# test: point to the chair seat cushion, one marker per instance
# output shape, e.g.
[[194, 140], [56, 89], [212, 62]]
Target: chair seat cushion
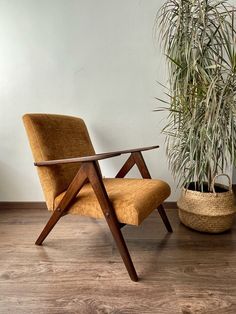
[[132, 199]]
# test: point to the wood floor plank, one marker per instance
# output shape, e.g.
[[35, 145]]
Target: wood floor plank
[[79, 269]]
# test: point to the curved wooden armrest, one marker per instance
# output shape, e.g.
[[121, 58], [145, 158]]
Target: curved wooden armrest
[[92, 158], [134, 150], [77, 159]]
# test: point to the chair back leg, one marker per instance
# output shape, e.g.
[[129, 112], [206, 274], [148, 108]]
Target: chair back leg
[[61, 209], [164, 218], [140, 162]]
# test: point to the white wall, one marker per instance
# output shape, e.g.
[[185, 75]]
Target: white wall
[[93, 59]]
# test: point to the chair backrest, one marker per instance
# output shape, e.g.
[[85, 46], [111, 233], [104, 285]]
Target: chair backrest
[[56, 137]]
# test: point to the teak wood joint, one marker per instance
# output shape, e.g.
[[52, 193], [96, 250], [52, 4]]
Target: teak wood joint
[[134, 158]]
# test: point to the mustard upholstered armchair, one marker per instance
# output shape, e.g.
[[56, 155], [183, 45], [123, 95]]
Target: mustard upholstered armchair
[[72, 182]]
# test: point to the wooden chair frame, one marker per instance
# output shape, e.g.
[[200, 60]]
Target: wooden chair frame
[[90, 171]]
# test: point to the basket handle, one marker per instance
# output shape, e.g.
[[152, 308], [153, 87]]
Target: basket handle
[[214, 179]]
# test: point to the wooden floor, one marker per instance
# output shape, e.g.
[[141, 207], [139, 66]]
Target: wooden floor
[[78, 269]]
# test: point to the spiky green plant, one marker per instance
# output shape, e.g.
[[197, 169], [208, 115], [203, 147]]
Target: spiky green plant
[[199, 41]]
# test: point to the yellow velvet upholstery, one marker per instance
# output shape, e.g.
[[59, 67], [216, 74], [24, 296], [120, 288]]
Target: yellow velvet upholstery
[[132, 199], [57, 137]]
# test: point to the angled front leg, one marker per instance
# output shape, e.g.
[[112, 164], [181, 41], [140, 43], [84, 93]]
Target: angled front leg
[[72, 191], [109, 213]]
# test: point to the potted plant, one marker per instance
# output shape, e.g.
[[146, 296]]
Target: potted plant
[[199, 41]]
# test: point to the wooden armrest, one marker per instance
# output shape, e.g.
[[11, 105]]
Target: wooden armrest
[[92, 158], [77, 159], [133, 150]]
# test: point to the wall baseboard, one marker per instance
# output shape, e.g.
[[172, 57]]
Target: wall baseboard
[[234, 189], [170, 205], [23, 205], [42, 205]]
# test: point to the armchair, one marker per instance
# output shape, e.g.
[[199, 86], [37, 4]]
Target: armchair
[[75, 185]]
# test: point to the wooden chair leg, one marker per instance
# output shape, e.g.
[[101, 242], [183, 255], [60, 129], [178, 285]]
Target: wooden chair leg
[[49, 226], [120, 242], [164, 217], [109, 213], [138, 157], [73, 189]]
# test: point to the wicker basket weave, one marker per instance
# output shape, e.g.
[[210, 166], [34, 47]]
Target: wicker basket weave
[[208, 212]]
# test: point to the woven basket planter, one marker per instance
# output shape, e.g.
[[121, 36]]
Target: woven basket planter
[[208, 212]]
